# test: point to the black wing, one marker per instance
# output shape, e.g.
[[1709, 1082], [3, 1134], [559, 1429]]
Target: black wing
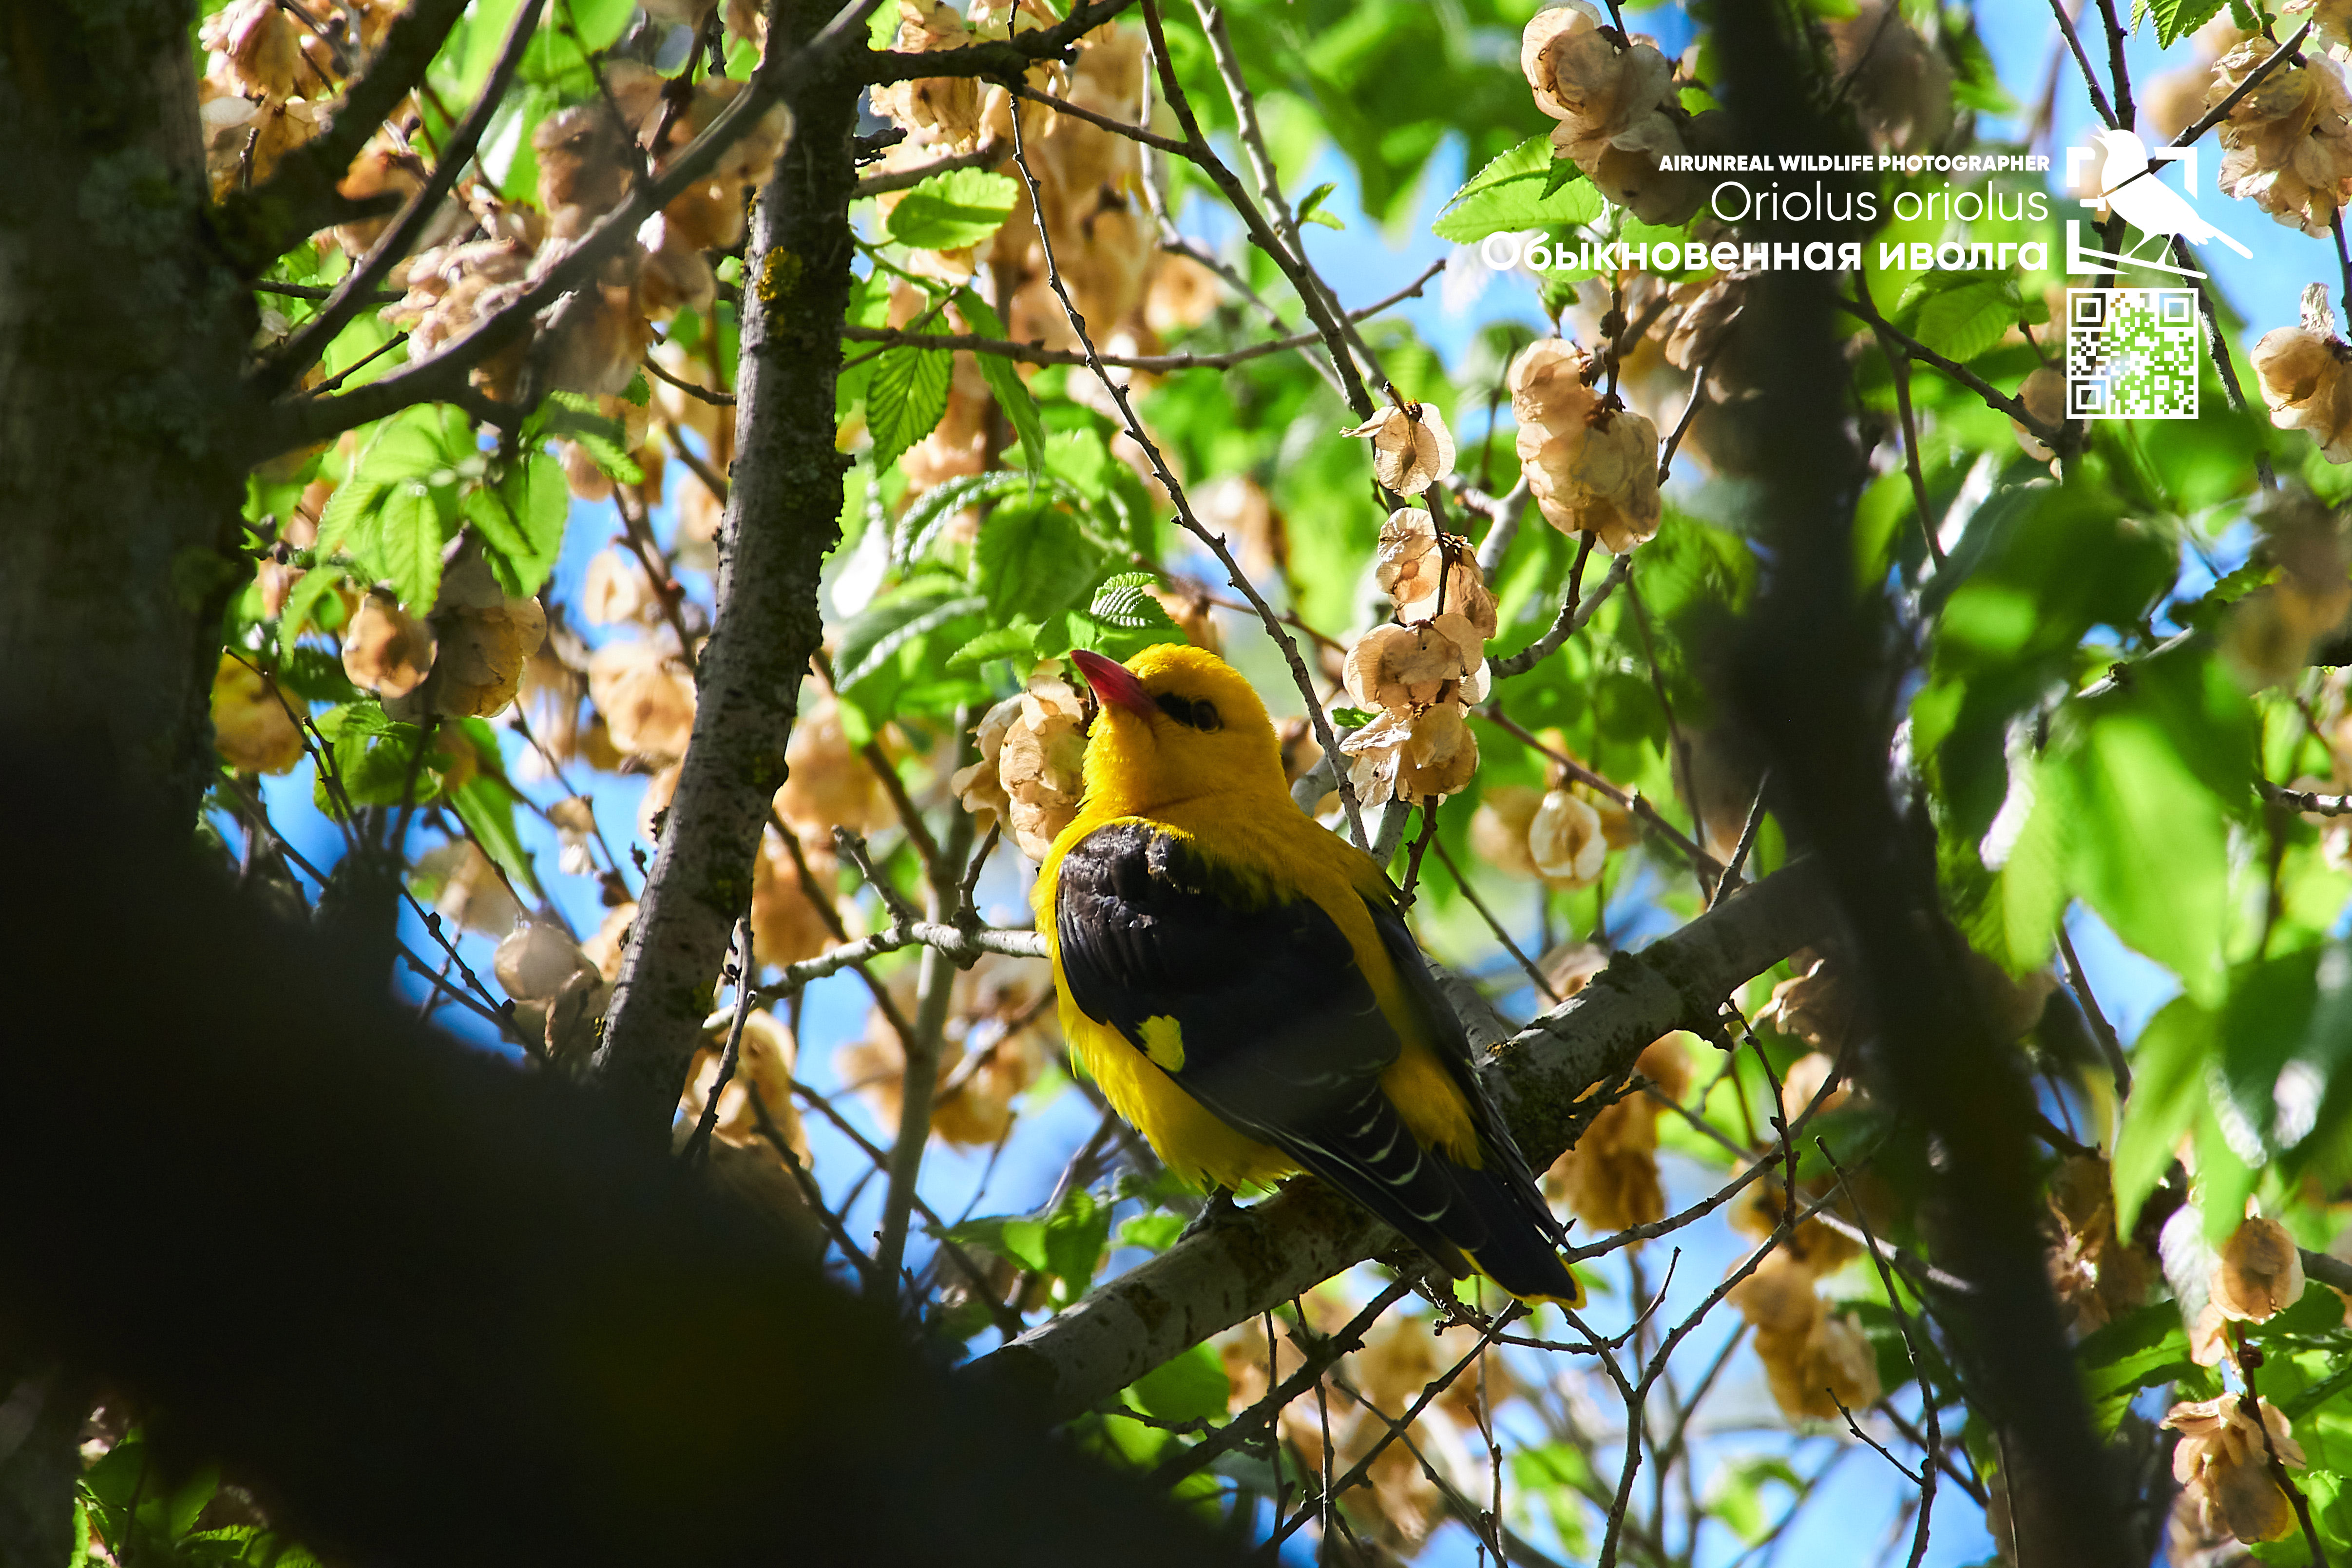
[[1443, 1026], [1282, 1037]]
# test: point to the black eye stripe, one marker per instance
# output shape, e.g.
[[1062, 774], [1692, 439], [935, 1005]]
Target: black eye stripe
[[1194, 715]]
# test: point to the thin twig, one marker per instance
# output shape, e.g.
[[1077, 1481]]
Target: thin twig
[[1741, 851], [1566, 624], [1034, 353], [2219, 112], [357, 286], [718, 399], [1445, 858], [1302, 282], [2090, 77], [1167, 481], [1926, 1478], [2101, 1030], [698, 1145], [1861, 309], [987, 156], [1899, 365]]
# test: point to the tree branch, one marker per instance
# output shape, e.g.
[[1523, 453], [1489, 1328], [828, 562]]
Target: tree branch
[[260, 224], [783, 514], [999, 57], [358, 288], [1274, 1251]]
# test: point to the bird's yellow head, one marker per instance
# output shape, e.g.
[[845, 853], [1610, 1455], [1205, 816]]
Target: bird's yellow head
[[1175, 722]]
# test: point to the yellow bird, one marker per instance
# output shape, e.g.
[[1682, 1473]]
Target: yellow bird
[[1239, 981]]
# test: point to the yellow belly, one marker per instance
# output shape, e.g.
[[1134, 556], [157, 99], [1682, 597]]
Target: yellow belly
[[1185, 1133]]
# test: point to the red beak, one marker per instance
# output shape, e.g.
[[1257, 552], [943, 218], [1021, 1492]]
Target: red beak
[[1113, 684]]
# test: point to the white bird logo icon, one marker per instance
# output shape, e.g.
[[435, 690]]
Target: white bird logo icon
[[2149, 206]]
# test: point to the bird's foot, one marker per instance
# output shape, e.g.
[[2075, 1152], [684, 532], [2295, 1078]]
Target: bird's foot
[[1217, 1209]]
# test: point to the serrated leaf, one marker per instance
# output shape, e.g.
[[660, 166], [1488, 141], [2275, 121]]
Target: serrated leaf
[[2176, 19], [1030, 560], [1515, 192], [1017, 641], [1126, 602], [1963, 322], [906, 397], [950, 211], [1005, 381], [521, 523], [401, 540], [313, 587], [886, 646]]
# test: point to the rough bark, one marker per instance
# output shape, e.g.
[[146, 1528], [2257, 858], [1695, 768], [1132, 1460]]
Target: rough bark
[[1307, 1233], [1809, 675], [783, 513], [121, 331]]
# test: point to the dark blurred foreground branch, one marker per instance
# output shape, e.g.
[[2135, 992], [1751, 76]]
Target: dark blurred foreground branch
[[429, 1307], [1809, 675], [1271, 1252]]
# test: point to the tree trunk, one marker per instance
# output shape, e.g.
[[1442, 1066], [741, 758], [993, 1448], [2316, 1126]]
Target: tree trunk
[[121, 333], [783, 513]]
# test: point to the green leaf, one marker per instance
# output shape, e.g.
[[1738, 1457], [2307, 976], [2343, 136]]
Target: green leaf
[[2160, 758], [906, 396], [377, 759], [895, 622], [2176, 19], [521, 523], [2169, 1066], [316, 676], [1515, 192], [1017, 641], [1310, 207], [1152, 1232], [1032, 560], [1073, 1241], [1005, 381], [487, 805], [403, 541], [1124, 601], [1351, 718], [950, 211], [2147, 1349], [1192, 1387], [1965, 321], [313, 589]]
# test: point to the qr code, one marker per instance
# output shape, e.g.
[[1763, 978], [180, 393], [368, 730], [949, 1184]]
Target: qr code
[[2131, 354]]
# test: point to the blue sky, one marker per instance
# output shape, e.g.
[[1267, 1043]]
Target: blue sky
[[1367, 265]]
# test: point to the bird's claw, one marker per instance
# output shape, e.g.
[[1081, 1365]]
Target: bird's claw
[[1217, 1209]]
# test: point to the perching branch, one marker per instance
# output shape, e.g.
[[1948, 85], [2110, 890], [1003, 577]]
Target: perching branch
[[1276, 1249]]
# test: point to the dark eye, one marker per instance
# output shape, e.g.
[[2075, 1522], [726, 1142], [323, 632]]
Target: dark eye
[[1176, 708], [1204, 715]]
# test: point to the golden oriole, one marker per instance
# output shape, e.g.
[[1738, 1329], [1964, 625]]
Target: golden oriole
[[1239, 981]]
